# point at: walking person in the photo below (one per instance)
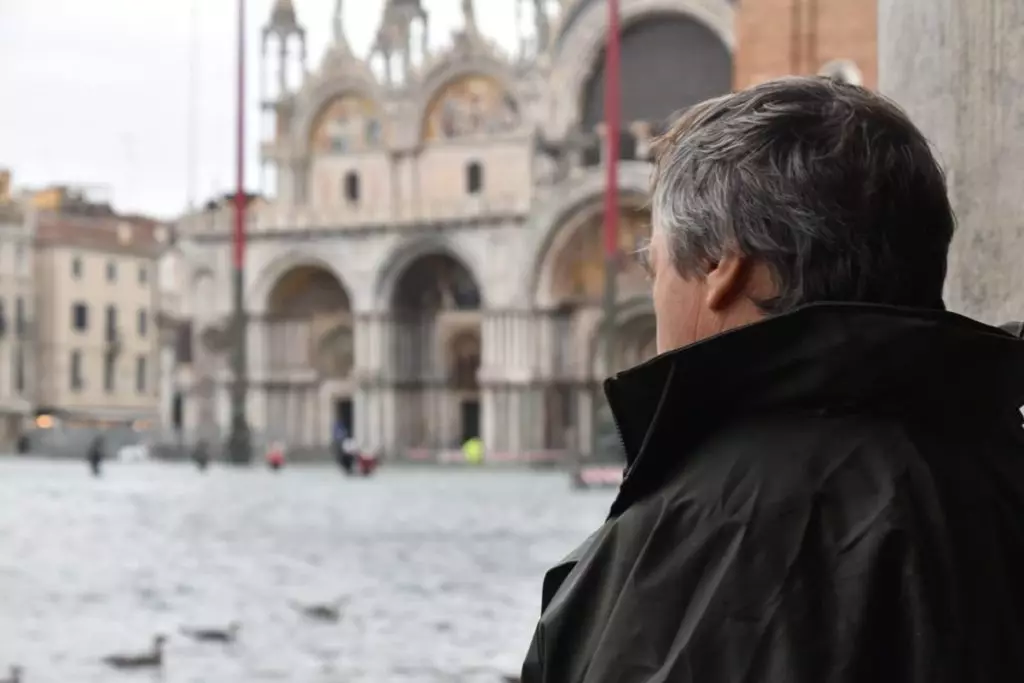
(825, 476)
(94, 456)
(344, 453)
(201, 455)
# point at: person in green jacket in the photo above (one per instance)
(473, 451)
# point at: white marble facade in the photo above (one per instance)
(429, 265)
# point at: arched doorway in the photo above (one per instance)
(436, 354)
(571, 283)
(309, 357)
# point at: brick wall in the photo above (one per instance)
(781, 37)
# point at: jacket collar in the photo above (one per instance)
(819, 356)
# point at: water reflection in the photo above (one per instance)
(437, 573)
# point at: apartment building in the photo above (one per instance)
(97, 293)
(16, 314)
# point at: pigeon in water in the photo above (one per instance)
(14, 676)
(152, 659)
(323, 612)
(214, 635)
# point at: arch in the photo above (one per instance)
(574, 270)
(650, 92)
(407, 254)
(434, 283)
(434, 303)
(319, 96)
(553, 223)
(307, 290)
(258, 293)
(308, 341)
(583, 41)
(347, 122)
(469, 102)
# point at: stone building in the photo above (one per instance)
(17, 227)
(429, 266)
(95, 311)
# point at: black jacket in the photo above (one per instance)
(831, 495)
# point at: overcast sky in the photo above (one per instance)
(96, 92)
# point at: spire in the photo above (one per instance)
(542, 25)
(394, 38)
(340, 40)
(284, 28)
(469, 16)
(282, 18)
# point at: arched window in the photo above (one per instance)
(352, 187)
(474, 177)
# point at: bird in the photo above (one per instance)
(214, 635)
(14, 675)
(153, 658)
(323, 612)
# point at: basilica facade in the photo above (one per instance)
(428, 267)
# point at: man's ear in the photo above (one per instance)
(727, 280)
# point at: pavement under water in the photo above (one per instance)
(439, 570)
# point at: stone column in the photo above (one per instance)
(957, 66)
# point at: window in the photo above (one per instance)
(109, 372)
(142, 323)
(76, 370)
(79, 317)
(111, 271)
(111, 326)
(140, 374)
(76, 268)
(143, 275)
(19, 317)
(474, 177)
(352, 187)
(19, 370)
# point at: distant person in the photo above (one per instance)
(366, 459)
(349, 455)
(825, 469)
(473, 451)
(201, 455)
(275, 456)
(342, 445)
(95, 456)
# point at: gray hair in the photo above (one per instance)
(828, 184)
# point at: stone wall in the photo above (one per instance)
(956, 66)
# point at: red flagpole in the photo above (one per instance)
(240, 204)
(613, 124)
(239, 446)
(612, 112)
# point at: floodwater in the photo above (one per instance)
(440, 570)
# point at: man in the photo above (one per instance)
(825, 477)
